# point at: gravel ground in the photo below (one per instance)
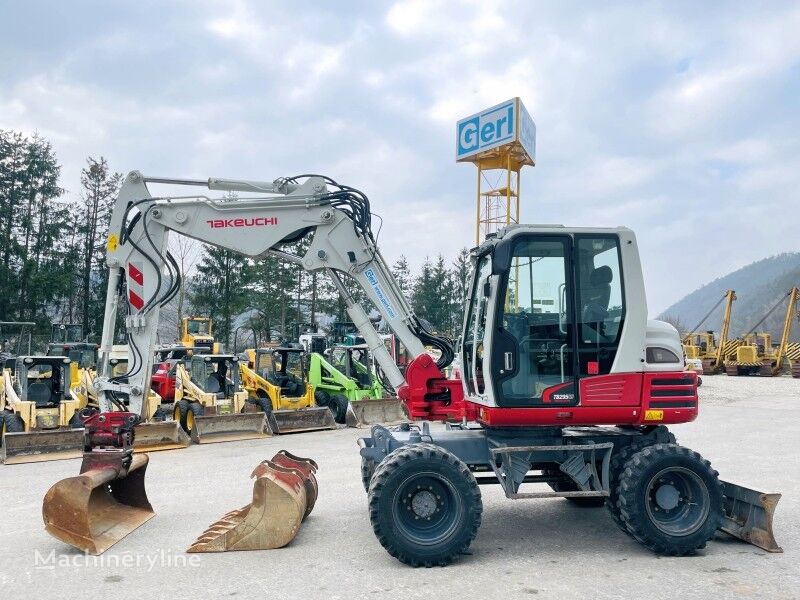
(748, 428)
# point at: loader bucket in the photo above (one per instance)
(229, 428)
(386, 411)
(99, 507)
(37, 446)
(166, 435)
(271, 520)
(301, 419)
(748, 516)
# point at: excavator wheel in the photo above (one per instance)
(670, 499)
(424, 505)
(338, 406)
(618, 459)
(322, 398)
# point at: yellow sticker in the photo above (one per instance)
(654, 415)
(113, 242)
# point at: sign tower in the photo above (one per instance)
(500, 141)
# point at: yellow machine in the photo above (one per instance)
(156, 433)
(210, 401)
(197, 332)
(277, 382)
(701, 344)
(40, 418)
(757, 355)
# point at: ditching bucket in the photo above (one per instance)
(102, 505)
(165, 435)
(386, 411)
(748, 515)
(302, 419)
(230, 428)
(38, 446)
(307, 468)
(273, 518)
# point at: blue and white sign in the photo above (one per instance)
(504, 123)
(383, 299)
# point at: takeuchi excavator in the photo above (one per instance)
(564, 380)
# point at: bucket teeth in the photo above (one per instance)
(284, 492)
(97, 508)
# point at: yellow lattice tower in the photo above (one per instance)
(499, 141)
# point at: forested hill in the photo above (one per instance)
(759, 286)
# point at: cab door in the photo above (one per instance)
(533, 358)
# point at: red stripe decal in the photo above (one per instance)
(135, 274)
(136, 300)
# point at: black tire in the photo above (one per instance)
(179, 413)
(75, 421)
(620, 457)
(322, 398)
(264, 403)
(670, 499)
(338, 406)
(567, 485)
(426, 539)
(14, 423)
(185, 407)
(159, 415)
(367, 471)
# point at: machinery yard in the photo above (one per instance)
(528, 548)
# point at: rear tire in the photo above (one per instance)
(338, 406)
(322, 398)
(670, 499)
(424, 505)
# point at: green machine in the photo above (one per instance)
(348, 372)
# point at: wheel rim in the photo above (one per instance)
(426, 508)
(677, 501)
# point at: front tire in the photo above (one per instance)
(338, 406)
(424, 505)
(670, 499)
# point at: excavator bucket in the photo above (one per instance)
(386, 411)
(165, 435)
(748, 515)
(281, 501)
(99, 507)
(38, 446)
(301, 419)
(229, 428)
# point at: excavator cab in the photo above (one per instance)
(39, 414)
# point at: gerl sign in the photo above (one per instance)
(505, 123)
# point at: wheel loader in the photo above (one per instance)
(210, 401)
(564, 383)
(196, 333)
(349, 378)
(39, 414)
(276, 380)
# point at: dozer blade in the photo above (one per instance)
(302, 419)
(166, 435)
(386, 411)
(748, 515)
(229, 428)
(271, 520)
(37, 446)
(99, 507)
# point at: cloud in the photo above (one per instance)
(676, 120)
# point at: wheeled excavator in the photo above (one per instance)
(564, 380)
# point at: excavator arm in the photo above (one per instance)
(145, 275)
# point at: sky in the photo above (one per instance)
(680, 120)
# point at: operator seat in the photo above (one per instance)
(40, 394)
(596, 298)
